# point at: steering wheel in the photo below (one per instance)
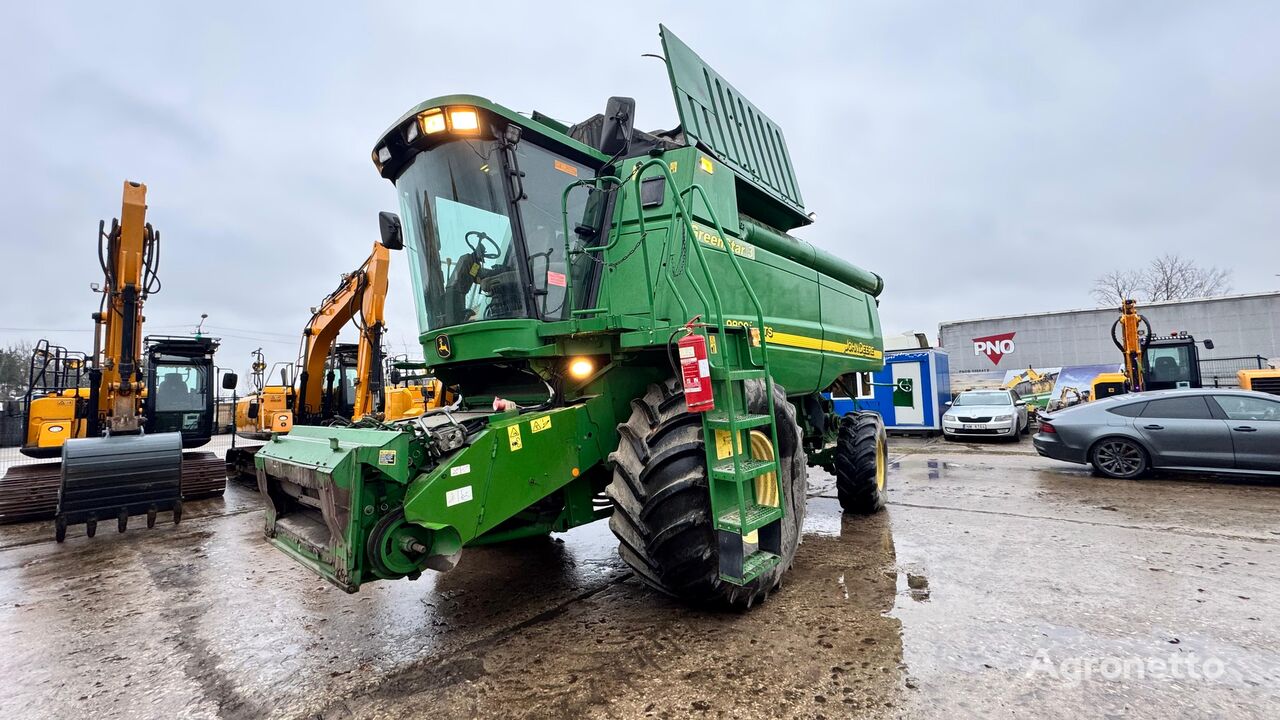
(478, 249)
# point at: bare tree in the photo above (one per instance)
(1172, 277)
(1116, 286)
(1167, 277)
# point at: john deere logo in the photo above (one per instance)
(443, 347)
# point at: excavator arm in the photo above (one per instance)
(128, 254)
(363, 291)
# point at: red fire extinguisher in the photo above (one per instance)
(695, 370)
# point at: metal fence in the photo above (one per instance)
(1221, 372)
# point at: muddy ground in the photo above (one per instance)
(997, 584)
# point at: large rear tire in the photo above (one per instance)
(862, 456)
(662, 505)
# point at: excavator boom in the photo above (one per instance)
(363, 291)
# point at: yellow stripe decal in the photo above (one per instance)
(850, 347)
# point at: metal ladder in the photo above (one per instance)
(746, 492)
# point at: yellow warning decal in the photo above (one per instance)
(672, 166)
(513, 437)
(711, 340)
(386, 457)
(539, 424)
(566, 168)
(724, 444)
(705, 164)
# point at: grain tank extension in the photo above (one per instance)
(579, 288)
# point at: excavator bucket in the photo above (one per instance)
(117, 477)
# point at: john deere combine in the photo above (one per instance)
(631, 334)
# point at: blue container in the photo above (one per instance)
(917, 411)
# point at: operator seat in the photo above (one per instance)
(172, 392)
(1165, 370)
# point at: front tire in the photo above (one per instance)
(1119, 458)
(662, 504)
(862, 450)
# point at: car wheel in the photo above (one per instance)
(1118, 457)
(1026, 429)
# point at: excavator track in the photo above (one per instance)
(30, 492)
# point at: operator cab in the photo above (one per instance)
(180, 388)
(1172, 361)
(340, 380)
(481, 194)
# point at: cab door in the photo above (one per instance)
(1182, 431)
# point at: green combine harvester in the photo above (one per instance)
(630, 334)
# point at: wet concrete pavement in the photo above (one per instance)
(998, 584)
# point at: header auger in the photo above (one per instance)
(555, 269)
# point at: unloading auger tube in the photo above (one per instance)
(562, 338)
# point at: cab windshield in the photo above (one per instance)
(474, 255)
(179, 388)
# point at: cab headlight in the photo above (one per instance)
(464, 120)
(1002, 418)
(432, 121)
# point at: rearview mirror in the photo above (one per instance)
(615, 133)
(948, 403)
(394, 376)
(1208, 344)
(230, 380)
(253, 411)
(389, 228)
(1019, 403)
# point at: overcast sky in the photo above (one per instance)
(985, 158)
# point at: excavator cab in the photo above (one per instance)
(180, 388)
(340, 380)
(1172, 361)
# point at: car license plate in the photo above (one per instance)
(974, 426)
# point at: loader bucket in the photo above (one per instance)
(117, 477)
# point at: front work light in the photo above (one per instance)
(464, 119)
(432, 121)
(581, 368)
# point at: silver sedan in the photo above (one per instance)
(1226, 431)
(986, 413)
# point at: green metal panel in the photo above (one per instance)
(714, 114)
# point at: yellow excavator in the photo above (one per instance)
(410, 392)
(1151, 362)
(336, 381)
(118, 421)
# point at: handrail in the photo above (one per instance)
(683, 201)
(569, 252)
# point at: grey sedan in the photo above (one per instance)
(1227, 431)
